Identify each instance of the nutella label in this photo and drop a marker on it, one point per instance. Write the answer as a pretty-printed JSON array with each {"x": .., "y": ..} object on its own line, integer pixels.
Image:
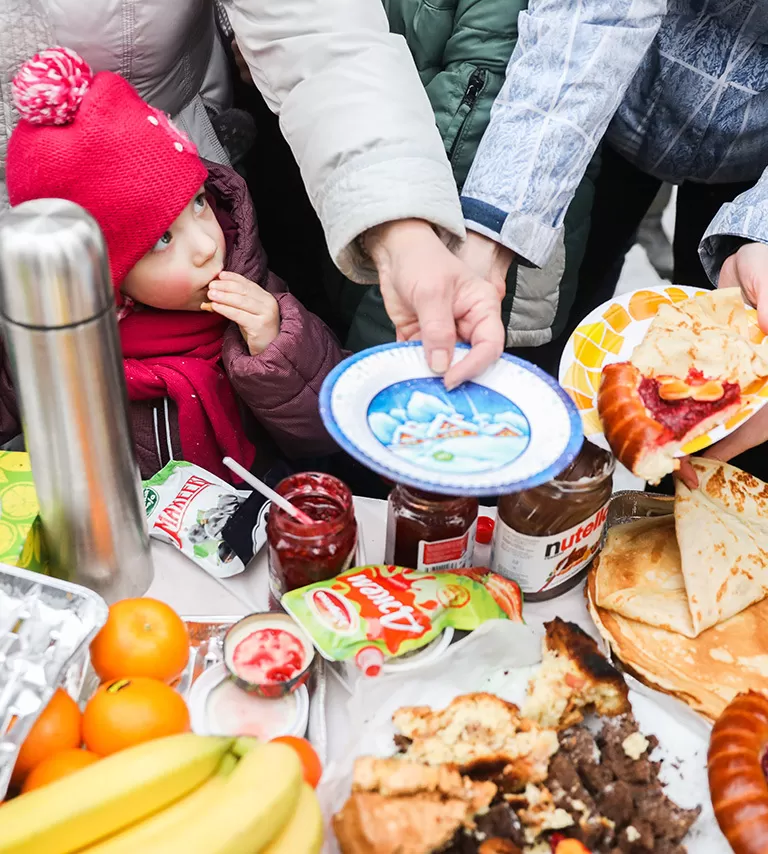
[
  {"x": 455, "y": 553},
  {"x": 539, "y": 563}
]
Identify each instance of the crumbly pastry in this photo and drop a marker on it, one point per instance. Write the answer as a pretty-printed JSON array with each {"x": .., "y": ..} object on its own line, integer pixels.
[
  {"x": 687, "y": 376},
  {"x": 574, "y": 676},
  {"x": 477, "y": 731},
  {"x": 397, "y": 777},
  {"x": 601, "y": 791},
  {"x": 401, "y": 807}
]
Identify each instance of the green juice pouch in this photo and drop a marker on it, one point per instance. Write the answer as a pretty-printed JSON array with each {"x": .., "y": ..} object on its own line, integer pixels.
[{"x": 397, "y": 611}]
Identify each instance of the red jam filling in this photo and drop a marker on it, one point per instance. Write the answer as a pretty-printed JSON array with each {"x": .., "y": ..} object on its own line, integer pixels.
[
  {"x": 304, "y": 554},
  {"x": 269, "y": 656},
  {"x": 681, "y": 416},
  {"x": 764, "y": 764},
  {"x": 321, "y": 508}
]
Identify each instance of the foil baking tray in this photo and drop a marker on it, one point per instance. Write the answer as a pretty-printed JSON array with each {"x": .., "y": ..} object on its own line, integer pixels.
[
  {"x": 629, "y": 505},
  {"x": 45, "y": 628}
]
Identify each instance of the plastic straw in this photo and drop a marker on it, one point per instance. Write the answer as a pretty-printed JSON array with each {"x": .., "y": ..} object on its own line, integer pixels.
[{"x": 262, "y": 487}]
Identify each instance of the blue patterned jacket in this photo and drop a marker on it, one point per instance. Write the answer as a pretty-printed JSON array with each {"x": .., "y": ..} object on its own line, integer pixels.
[{"x": 680, "y": 86}]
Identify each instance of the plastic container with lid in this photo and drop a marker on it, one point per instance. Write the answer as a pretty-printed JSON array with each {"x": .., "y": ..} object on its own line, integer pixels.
[
  {"x": 546, "y": 537},
  {"x": 301, "y": 554},
  {"x": 268, "y": 654},
  {"x": 429, "y": 532}
]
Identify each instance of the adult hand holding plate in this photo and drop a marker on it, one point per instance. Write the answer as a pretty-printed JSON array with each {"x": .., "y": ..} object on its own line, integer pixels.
[
  {"x": 433, "y": 296},
  {"x": 511, "y": 428}
]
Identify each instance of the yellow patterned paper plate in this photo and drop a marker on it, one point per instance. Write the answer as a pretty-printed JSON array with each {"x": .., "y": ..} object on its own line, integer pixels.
[{"x": 610, "y": 333}]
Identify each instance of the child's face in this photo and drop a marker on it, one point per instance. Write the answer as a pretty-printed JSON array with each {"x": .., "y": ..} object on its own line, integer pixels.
[{"x": 176, "y": 272}]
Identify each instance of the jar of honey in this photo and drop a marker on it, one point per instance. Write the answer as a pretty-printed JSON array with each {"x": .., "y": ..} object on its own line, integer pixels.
[
  {"x": 429, "y": 532},
  {"x": 301, "y": 554}
]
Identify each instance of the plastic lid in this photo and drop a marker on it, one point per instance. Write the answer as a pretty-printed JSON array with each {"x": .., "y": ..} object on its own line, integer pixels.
[
  {"x": 53, "y": 265},
  {"x": 370, "y": 660},
  {"x": 484, "y": 532}
]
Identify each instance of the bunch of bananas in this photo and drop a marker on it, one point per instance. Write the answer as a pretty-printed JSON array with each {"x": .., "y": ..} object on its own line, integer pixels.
[{"x": 184, "y": 794}]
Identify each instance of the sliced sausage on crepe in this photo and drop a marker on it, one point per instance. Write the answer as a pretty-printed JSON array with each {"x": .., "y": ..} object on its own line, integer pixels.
[
  {"x": 722, "y": 531},
  {"x": 710, "y": 334}
]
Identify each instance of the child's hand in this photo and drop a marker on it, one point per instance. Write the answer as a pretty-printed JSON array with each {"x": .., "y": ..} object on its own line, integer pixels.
[{"x": 252, "y": 308}]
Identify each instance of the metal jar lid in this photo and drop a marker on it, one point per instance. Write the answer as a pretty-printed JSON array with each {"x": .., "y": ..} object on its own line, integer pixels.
[{"x": 53, "y": 265}]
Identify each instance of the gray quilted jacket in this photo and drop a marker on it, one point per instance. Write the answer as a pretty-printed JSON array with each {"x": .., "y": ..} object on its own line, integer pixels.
[
  {"x": 23, "y": 31},
  {"x": 171, "y": 53},
  {"x": 366, "y": 143}
]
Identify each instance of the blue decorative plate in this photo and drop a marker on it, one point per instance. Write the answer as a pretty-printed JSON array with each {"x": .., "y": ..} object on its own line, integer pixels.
[{"x": 510, "y": 429}]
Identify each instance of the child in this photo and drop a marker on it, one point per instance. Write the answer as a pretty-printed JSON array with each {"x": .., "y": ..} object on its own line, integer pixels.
[{"x": 210, "y": 337}]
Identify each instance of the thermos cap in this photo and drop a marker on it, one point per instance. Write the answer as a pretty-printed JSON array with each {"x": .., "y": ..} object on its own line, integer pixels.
[{"x": 53, "y": 265}]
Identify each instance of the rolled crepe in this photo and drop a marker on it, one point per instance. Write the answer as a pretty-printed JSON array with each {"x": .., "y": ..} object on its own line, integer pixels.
[
  {"x": 722, "y": 531},
  {"x": 688, "y": 572},
  {"x": 706, "y": 672}
]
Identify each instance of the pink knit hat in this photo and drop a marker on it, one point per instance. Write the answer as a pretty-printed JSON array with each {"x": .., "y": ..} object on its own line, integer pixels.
[{"x": 92, "y": 140}]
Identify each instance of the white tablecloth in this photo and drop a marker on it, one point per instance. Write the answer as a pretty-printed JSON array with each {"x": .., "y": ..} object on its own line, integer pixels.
[{"x": 193, "y": 593}]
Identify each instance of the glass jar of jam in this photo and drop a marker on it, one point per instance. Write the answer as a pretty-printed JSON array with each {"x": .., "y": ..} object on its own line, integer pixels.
[
  {"x": 429, "y": 532},
  {"x": 546, "y": 537},
  {"x": 301, "y": 554}
]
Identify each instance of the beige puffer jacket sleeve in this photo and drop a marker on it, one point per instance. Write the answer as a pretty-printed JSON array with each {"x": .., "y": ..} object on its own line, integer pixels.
[{"x": 355, "y": 114}]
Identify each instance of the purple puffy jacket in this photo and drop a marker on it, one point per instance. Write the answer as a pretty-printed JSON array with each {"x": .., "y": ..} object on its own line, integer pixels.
[{"x": 278, "y": 390}]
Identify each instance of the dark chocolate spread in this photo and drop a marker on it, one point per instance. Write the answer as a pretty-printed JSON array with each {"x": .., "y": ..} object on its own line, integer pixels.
[{"x": 546, "y": 536}]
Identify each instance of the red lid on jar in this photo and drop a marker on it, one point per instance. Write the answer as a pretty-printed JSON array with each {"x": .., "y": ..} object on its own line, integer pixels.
[{"x": 484, "y": 533}]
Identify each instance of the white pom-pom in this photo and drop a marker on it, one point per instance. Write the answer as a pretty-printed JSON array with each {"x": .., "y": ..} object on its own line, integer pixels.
[{"x": 49, "y": 87}]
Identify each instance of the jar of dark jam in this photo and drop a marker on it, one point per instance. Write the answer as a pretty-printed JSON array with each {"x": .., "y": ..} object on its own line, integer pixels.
[
  {"x": 429, "y": 532},
  {"x": 546, "y": 537},
  {"x": 301, "y": 554}
]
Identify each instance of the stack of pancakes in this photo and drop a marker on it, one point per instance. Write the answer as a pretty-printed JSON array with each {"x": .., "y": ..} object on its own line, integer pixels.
[{"x": 681, "y": 599}]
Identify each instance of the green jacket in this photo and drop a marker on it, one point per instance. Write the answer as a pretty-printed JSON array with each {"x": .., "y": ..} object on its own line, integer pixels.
[{"x": 461, "y": 49}]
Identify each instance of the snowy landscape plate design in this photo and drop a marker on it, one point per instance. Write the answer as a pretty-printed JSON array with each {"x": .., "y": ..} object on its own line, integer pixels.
[{"x": 511, "y": 428}]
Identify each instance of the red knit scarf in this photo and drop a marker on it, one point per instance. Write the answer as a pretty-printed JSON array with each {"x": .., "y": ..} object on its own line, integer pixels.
[{"x": 177, "y": 354}]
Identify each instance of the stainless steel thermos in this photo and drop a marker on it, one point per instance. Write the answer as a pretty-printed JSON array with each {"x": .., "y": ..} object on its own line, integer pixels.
[{"x": 60, "y": 328}]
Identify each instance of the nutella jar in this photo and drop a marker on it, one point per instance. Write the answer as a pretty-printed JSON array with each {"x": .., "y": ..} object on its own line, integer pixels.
[
  {"x": 429, "y": 532},
  {"x": 546, "y": 537}
]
